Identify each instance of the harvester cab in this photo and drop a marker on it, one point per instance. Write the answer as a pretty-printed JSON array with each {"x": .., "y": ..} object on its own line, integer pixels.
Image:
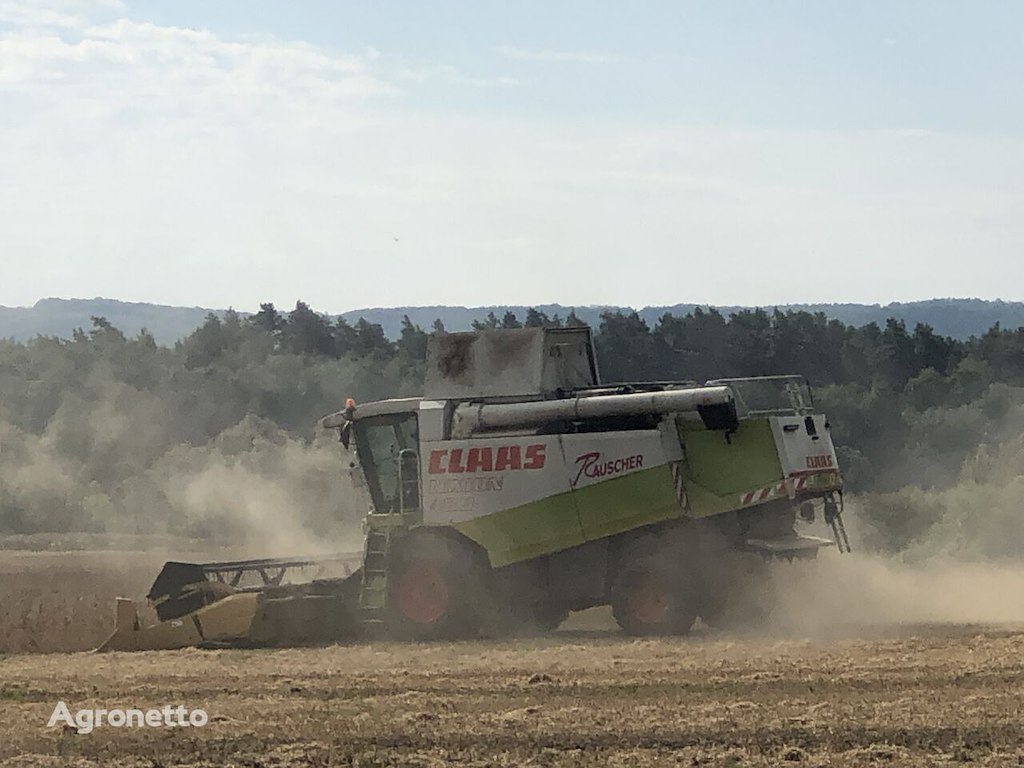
[{"x": 520, "y": 487}]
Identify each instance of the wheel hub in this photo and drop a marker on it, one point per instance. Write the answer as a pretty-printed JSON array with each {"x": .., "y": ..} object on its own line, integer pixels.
[{"x": 421, "y": 594}]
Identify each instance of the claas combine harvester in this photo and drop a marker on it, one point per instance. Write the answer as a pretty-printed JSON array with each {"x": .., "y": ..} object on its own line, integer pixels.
[{"x": 520, "y": 488}]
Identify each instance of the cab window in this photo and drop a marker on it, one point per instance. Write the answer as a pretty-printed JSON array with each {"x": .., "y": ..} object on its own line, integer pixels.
[{"x": 379, "y": 441}]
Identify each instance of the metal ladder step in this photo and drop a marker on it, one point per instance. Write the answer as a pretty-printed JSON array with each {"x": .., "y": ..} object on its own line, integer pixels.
[{"x": 374, "y": 589}]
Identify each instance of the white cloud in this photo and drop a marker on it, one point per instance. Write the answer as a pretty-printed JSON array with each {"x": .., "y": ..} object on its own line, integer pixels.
[
  {"x": 134, "y": 55},
  {"x": 22, "y": 15},
  {"x": 169, "y": 164},
  {"x": 53, "y": 13},
  {"x": 452, "y": 75},
  {"x": 537, "y": 54}
]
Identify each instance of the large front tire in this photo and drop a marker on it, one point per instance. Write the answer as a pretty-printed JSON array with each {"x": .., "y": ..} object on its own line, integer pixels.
[{"x": 437, "y": 590}]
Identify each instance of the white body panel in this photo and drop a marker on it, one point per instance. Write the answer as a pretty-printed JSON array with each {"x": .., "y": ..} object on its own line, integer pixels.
[
  {"x": 593, "y": 458},
  {"x": 799, "y": 452},
  {"x": 466, "y": 479}
]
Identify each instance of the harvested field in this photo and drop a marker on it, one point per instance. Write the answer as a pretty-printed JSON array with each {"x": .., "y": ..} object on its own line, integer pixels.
[
  {"x": 922, "y": 696},
  {"x": 866, "y": 664}
]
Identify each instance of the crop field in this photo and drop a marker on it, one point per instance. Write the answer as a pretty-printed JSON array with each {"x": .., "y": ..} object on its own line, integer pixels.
[
  {"x": 883, "y": 687},
  {"x": 924, "y": 696},
  {"x": 62, "y": 601}
]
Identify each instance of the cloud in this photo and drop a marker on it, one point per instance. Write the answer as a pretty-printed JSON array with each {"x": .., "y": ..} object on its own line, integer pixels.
[
  {"x": 168, "y": 164},
  {"x": 66, "y": 14},
  {"x": 22, "y": 15},
  {"x": 138, "y": 56},
  {"x": 454, "y": 76},
  {"x": 537, "y": 54}
]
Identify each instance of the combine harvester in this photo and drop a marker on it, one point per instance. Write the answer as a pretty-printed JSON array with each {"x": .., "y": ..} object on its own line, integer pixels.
[{"x": 520, "y": 488}]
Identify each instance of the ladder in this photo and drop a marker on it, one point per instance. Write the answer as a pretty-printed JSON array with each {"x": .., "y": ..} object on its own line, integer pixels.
[{"x": 373, "y": 592}]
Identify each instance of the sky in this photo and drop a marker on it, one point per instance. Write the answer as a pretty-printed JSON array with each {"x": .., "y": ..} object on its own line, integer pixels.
[{"x": 360, "y": 154}]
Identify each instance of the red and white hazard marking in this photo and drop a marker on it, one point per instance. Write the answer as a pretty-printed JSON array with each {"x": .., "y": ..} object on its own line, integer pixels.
[
  {"x": 764, "y": 494},
  {"x": 790, "y": 487}
]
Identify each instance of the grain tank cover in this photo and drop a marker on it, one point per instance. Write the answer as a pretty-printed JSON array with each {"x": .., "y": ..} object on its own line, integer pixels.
[{"x": 521, "y": 362}]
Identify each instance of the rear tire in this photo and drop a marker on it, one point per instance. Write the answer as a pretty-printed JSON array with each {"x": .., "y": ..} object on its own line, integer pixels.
[
  {"x": 650, "y": 598},
  {"x": 436, "y": 590}
]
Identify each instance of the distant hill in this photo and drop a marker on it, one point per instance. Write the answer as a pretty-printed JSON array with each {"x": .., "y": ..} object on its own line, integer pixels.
[
  {"x": 960, "y": 318},
  {"x": 60, "y": 317}
]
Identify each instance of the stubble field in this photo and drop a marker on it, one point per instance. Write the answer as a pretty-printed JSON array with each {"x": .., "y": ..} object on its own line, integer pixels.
[{"x": 875, "y": 689}]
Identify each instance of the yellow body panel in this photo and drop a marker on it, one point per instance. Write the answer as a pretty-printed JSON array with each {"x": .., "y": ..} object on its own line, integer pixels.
[{"x": 225, "y": 620}]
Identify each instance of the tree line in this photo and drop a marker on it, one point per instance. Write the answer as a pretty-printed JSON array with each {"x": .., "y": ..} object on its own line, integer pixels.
[{"x": 104, "y": 431}]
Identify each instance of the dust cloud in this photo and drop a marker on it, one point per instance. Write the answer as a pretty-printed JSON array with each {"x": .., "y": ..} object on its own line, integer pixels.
[
  {"x": 961, "y": 564},
  {"x": 253, "y": 491},
  {"x": 843, "y": 592},
  {"x": 296, "y": 500}
]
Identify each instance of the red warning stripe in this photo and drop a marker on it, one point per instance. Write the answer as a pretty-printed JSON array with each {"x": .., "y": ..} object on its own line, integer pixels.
[
  {"x": 789, "y": 487},
  {"x": 763, "y": 494}
]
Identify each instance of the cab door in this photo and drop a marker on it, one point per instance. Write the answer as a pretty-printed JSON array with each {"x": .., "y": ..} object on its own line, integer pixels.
[{"x": 387, "y": 448}]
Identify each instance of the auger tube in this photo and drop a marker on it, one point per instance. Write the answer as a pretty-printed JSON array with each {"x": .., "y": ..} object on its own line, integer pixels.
[{"x": 471, "y": 418}]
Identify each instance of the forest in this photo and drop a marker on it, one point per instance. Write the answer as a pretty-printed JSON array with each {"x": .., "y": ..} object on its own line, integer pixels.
[{"x": 216, "y": 436}]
